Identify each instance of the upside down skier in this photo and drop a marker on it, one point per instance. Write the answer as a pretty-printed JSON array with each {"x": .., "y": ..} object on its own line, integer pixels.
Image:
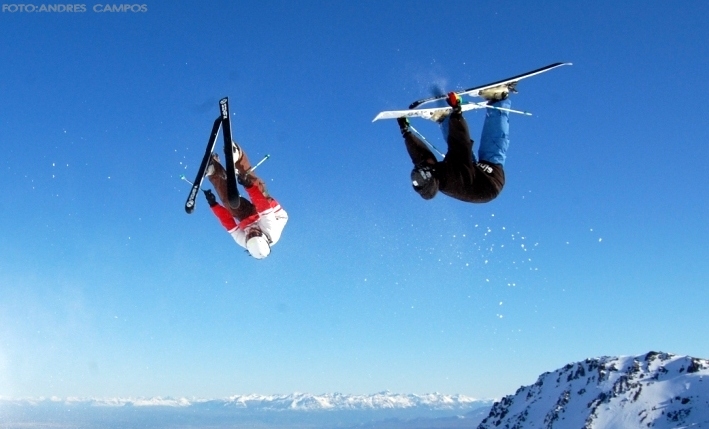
[
  {"x": 460, "y": 175},
  {"x": 255, "y": 225}
]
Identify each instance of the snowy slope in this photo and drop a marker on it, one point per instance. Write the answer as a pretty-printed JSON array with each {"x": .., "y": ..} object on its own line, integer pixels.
[{"x": 657, "y": 390}]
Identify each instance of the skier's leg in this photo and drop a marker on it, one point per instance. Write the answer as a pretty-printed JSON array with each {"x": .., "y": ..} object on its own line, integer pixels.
[
  {"x": 445, "y": 124},
  {"x": 218, "y": 181},
  {"x": 241, "y": 160},
  {"x": 495, "y": 138},
  {"x": 460, "y": 146},
  {"x": 242, "y": 166}
]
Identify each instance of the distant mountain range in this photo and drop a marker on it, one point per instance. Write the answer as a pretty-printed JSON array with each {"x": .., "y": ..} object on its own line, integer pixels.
[
  {"x": 297, "y": 410},
  {"x": 293, "y": 402},
  {"x": 655, "y": 390}
]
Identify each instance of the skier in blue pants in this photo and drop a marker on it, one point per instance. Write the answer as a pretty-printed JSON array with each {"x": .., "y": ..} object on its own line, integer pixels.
[{"x": 460, "y": 175}]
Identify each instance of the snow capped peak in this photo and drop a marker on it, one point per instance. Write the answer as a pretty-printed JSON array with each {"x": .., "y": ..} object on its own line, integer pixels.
[
  {"x": 339, "y": 401},
  {"x": 657, "y": 389}
]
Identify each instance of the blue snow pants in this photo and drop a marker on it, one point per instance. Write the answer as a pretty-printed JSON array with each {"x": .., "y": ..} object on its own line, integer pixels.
[{"x": 495, "y": 137}]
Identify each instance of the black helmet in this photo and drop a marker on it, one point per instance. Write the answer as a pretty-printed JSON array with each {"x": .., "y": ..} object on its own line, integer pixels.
[{"x": 423, "y": 179}]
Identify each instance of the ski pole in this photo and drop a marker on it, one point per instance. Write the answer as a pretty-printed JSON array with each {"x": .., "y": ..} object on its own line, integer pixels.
[
  {"x": 182, "y": 176},
  {"x": 487, "y": 106},
  {"x": 250, "y": 170},
  {"x": 426, "y": 141}
]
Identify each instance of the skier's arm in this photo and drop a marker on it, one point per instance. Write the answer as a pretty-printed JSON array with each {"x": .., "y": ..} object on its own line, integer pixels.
[
  {"x": 224, "y": 217},
  {"x": 230, "y": 225},
  {"x": 259, "y": 200}
]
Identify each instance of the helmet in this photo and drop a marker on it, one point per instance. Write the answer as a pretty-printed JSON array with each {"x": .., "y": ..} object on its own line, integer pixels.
[
  {"x": 258, "y": 247},
  {"x": 424, "y": 181}
]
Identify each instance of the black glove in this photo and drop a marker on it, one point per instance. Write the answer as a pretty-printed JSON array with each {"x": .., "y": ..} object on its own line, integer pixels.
[
  {"x": 245, "y": 180},
  {"x": 211, "y": 199}
]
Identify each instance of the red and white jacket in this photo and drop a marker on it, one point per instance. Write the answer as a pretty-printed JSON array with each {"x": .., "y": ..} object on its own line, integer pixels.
[{"x": 270, "y": 218}]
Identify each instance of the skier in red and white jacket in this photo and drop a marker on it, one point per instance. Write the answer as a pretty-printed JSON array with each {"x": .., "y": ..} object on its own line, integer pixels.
[{"x": 255, "y": 225}]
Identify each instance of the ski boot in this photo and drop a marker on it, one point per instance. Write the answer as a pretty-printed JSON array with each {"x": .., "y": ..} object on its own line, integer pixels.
[
  {"x": 236, "y": 151},
  {"x": 498, "y": 93},
  {"x": 214, "y": 160}
]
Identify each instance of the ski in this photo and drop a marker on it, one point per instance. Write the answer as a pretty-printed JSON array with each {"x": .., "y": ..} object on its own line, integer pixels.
[
  {"x": 475, "y": 91},
  {"x": 196, "y": 185},
  {"x": 432, "y": 114},
  {"x": 232, "y": 190},
  {"x": 437, "y": 113}
]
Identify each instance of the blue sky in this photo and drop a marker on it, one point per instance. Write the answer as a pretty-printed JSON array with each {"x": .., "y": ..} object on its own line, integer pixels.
[{"x": 596, "y": 246}]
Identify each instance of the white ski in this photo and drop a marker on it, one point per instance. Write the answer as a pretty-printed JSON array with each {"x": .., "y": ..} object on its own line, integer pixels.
[
  {"x": 478, "y": 90},
  {"x": 437, "y": 113}
]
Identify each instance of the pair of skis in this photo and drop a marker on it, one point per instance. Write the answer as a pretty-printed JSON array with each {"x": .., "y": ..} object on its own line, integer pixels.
[
  {"x": 506, "y": 85},
  {"x": 436, "y": 113},
  {"x": 224, "y": 123}
]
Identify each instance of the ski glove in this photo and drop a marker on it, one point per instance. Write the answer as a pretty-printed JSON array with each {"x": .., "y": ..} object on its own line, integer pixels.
[
  {"x": 211, "y": 199},
  {"x": 245, "y": 180}
]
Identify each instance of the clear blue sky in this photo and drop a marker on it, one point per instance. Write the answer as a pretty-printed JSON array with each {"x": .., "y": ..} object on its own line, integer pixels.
[{"x": 596, "y": 246}]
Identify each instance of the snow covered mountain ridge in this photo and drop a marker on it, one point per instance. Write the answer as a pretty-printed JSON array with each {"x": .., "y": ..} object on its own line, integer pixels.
[
  {"x": 658, "y": 390},
  {"x": 290, "y": 402}
]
